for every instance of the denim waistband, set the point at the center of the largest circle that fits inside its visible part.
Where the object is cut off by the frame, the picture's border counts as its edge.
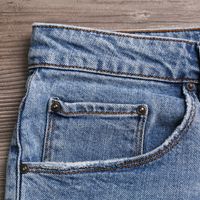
(170, 56)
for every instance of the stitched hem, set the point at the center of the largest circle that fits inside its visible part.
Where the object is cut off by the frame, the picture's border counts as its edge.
(172, 30)
(88, 69)
(98, 31)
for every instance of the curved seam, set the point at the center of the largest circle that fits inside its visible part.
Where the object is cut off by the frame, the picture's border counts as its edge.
(114, 34)
(128, 164)
(49, 65)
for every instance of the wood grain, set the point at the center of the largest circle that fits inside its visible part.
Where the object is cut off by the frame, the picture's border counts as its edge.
(16, 17)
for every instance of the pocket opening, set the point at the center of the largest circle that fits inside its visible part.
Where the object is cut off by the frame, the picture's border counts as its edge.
(135, 161)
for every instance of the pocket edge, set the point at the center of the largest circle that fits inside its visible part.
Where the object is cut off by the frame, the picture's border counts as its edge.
(131, 109)
(136, 161)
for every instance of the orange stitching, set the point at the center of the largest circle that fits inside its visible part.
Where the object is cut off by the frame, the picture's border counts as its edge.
(111, 72)
(160, 31)
(47, 153)
(113, 33)
(126, 164)
(140, 134)
(106, 113)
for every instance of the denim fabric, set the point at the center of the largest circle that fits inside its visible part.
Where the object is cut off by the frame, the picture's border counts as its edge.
(108, 116)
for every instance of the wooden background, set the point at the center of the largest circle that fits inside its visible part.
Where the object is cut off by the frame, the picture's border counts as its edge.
(17, 16)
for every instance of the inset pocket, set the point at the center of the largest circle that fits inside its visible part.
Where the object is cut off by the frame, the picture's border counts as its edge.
(88, 131)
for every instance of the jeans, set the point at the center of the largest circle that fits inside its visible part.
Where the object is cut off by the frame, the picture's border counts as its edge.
(108, 115)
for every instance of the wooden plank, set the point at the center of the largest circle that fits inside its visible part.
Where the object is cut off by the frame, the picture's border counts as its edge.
(16, 17)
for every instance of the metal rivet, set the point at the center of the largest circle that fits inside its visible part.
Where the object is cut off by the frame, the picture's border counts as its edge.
(24, 168)
(55, 106)
(190, 86)
(141, 110)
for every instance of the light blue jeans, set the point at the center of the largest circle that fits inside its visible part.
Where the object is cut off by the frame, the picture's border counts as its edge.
(108, 116)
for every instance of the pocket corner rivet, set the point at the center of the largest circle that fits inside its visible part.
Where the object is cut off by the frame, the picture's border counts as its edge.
(190, 86)
(141, 110)
(55, 106)
(23, 168)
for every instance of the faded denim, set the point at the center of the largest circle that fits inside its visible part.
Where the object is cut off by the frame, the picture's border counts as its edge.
(108, 116)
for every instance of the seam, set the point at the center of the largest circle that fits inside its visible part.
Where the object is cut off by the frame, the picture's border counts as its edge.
(113, 33)
(19, 156)
(126, 164)
(48, 142)
(98, 113)
(51, 134)
(49, 65)
(47, 138)
(43, 159)
(160, 30)
(138, 135)
(141, 135)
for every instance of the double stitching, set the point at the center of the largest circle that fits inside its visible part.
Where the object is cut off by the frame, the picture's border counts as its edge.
(59, 66)
(99, 113)
(47, 143)
(50, 124)
(125, 164)
(114, 34)
(162, 30)
(140, 132)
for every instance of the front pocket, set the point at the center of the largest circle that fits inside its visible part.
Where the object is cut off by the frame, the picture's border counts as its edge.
(89, 131)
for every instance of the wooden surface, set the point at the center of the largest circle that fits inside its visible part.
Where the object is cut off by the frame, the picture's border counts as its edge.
(16, 17)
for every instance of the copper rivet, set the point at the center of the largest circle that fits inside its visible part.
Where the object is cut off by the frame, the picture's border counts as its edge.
(24, 168)
(55, 106)
(141, 110)
(190, 86)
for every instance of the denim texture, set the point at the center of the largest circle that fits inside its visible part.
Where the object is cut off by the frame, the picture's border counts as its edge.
(108, 116)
